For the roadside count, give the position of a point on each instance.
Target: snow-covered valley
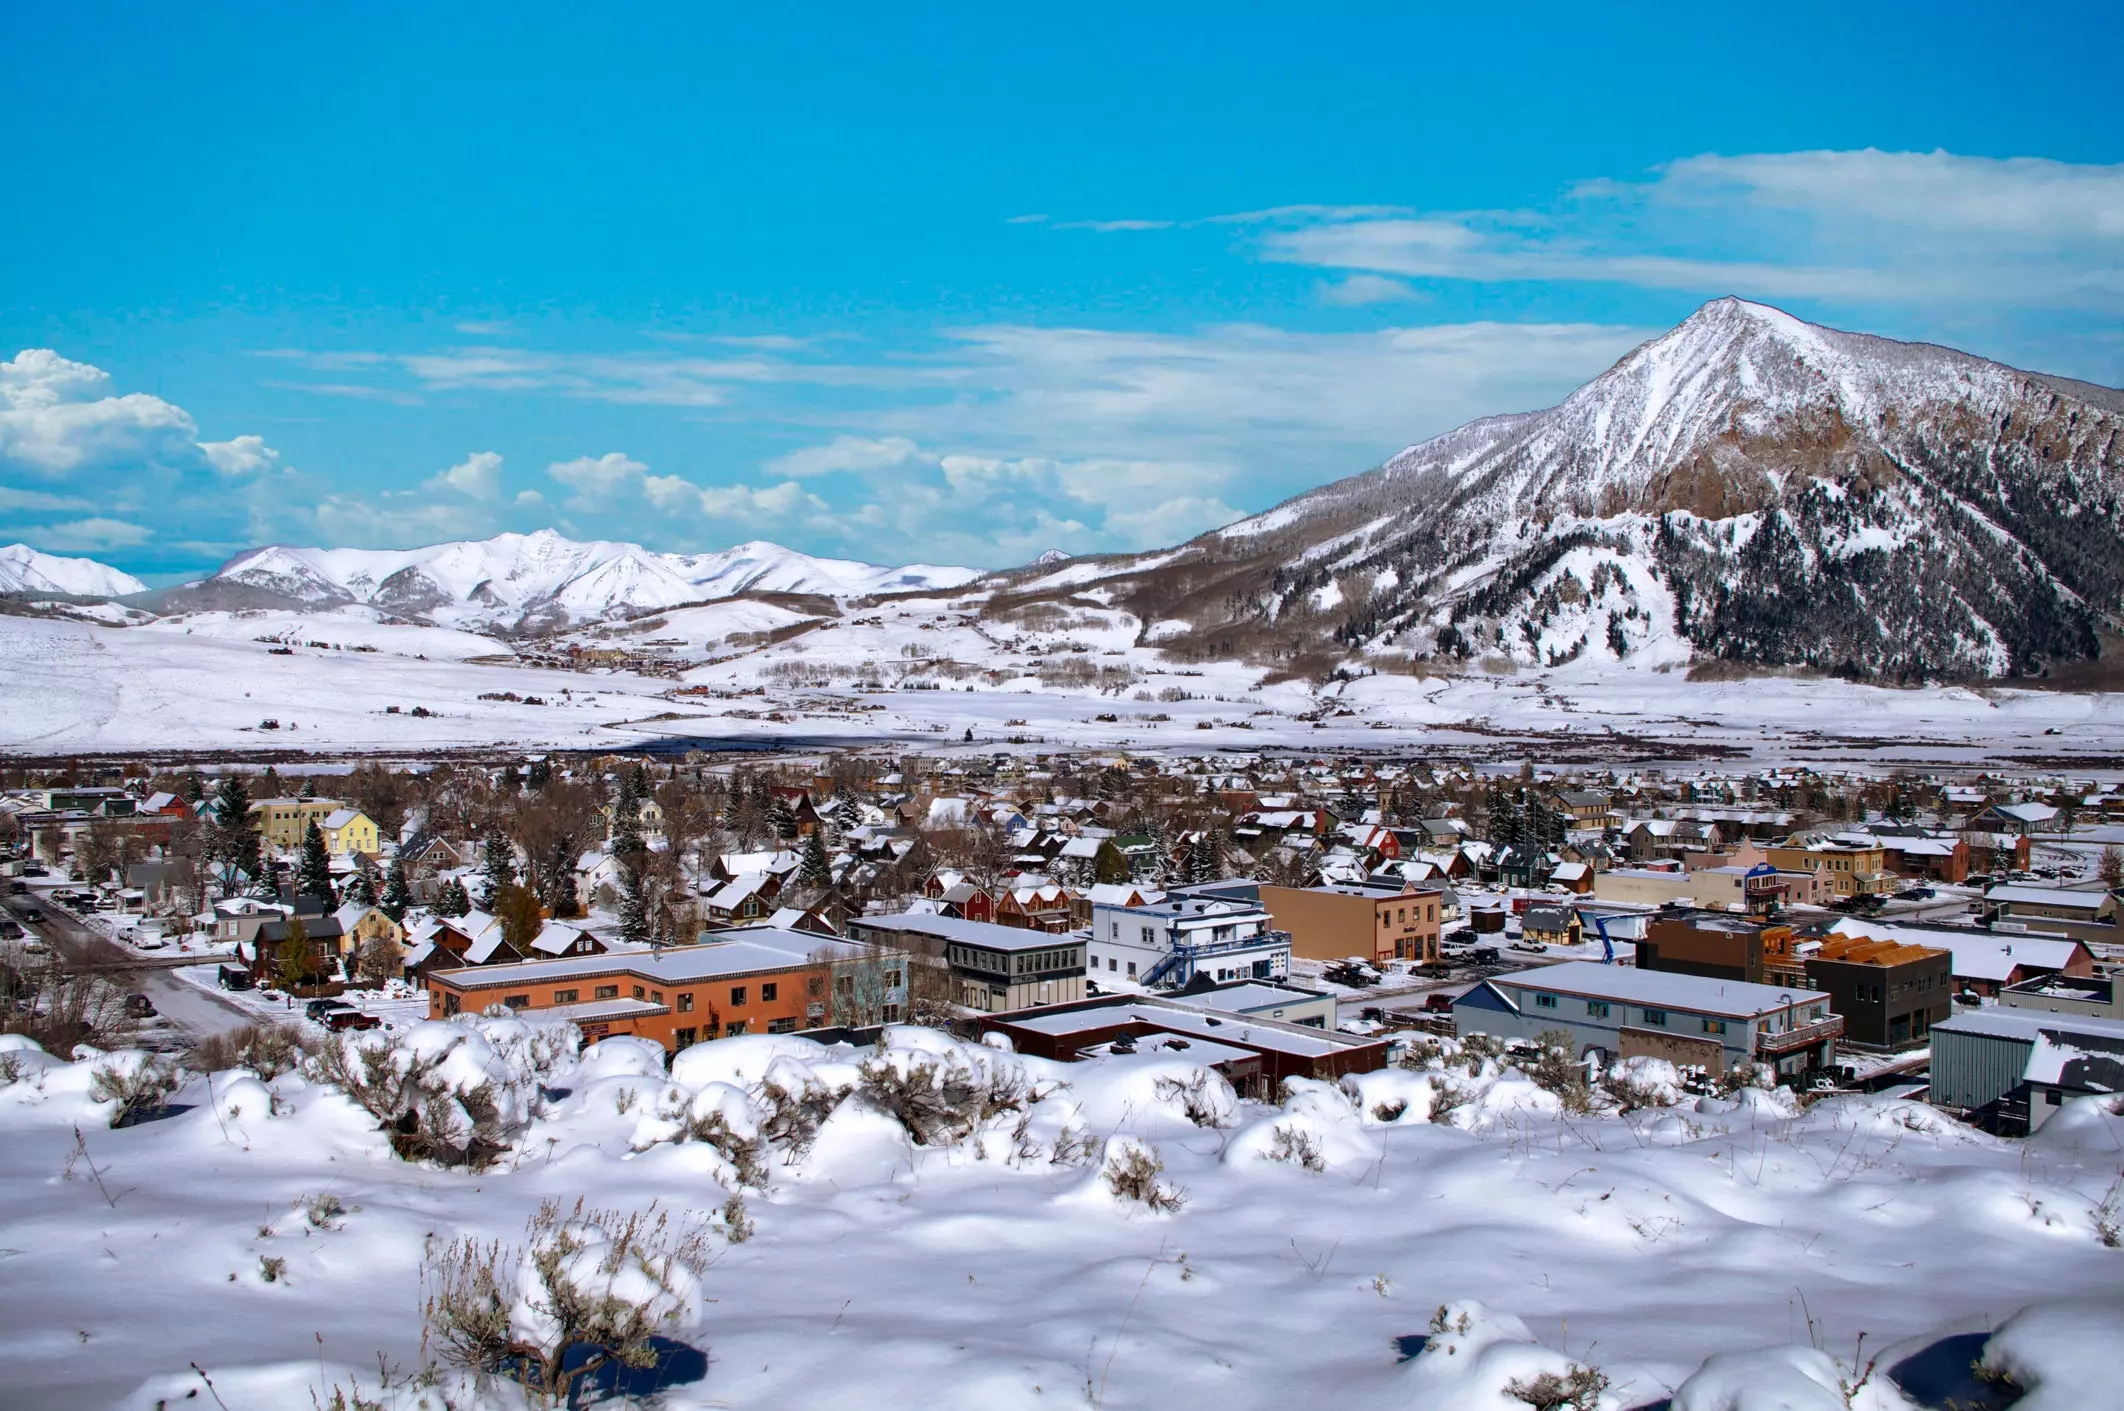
(346, 680)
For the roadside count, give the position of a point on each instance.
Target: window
(1545, 1001)
(638, 992)
(565, 996)
(1656, 1017)
(1112, 963)
(737, 994)
(769, 991)
(788, 1026)
(815, 987)
(685, 1038)
(450, 1003)
(656, 996)
(733, 1028)
(1132, 970)
(1113, 930)
(1714, 1026)
(685, 1002)
(1596, 1009)
(517, 1001)
(605, 992)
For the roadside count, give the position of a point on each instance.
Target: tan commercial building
(1332, 923)
(1853, 869)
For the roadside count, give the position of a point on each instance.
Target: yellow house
(348, 830)
(282, 822)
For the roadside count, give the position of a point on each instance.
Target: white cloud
(38, 500)
(845, 453)
(601, 476)
(94, 533)
(1171, 522)
(1362, 289)
(51, 421)
(1109, 227)
(1857, 226)
(786, 503)
(477, 475)
(244, 455)
(529, 499)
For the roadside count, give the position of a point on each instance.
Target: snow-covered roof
(1661, 989)
(2046, 896)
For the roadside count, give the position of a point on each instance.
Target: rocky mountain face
(536, 580)
(1747, 487)
(26, 570)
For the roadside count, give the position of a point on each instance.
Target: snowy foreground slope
(1726, 1253)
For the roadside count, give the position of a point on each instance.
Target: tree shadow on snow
(676, 1365)
(1940, 1375)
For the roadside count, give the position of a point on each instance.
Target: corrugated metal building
(1981, 1062)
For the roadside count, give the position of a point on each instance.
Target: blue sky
(951, 284)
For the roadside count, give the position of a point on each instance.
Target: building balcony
(1804, 1036)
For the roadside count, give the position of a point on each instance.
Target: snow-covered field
(210, 680)
(997, 1267)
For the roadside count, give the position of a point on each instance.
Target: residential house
(1551, 926)
(1040, 908)
(1625, 1012)
(1186, 932)
(348, 831)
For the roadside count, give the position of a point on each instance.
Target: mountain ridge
(27, 570)
(1746, 487)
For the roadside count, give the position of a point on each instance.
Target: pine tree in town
(634, 900)
(498, 867)
(451, 900)
(194, 790)
(235, 834)
(362, 889)
(817, 868)
(313, 875)
(308, 789)
(397, 897)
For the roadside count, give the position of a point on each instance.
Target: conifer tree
(397, 897)
(498, 863)
(314, 874)
(817, 867)
(362, 890)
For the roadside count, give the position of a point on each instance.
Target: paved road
(192, 1012)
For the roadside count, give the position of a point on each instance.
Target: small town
(1386, 706)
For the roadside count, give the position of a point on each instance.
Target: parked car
(318, 1008)
(1486, 955)
(10, 931)
(340, 1021)
(33, 913)
(1437, 1002)
(139, 1007)
(18, 888)
(1356, 976)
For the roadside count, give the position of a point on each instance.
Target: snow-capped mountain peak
(27, 570)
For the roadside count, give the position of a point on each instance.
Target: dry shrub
(941, 1103)
(266, 1049)
(1554, 1070)
(1193, 1095)
(1135, 1176)
(591, 1288)
(139, 1088)
(1578, 1389)
(793, 1117)
(1298, 1148)
(747, 1155)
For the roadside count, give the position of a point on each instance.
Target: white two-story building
(1164, 944)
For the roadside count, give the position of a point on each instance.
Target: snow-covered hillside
(1413, 1239)
(539, 578)
(26, 570)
